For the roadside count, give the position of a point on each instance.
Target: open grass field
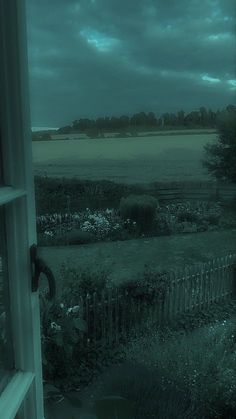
(127, 160)
(126, 259)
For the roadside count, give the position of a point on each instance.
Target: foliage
(70, 363)
(201, 118)
(149, 287)
(83, 227)
(201, 363)
(77, 283)
(62, 195)
(140, 209)
(188, 217)
(220, 158)
(61, 330)
(92, 226)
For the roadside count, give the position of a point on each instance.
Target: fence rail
(99, 196)
(115, 315)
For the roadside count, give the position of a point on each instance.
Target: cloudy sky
(90, 58)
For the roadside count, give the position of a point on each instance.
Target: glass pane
(122, 110)
(6, 346)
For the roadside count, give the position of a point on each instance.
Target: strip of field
(126, 259)
(129, 160)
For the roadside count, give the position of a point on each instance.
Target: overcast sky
(92, 58)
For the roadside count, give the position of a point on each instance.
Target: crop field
(126, 160)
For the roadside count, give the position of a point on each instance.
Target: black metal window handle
(38, 266)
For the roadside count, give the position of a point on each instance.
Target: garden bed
(138, 216)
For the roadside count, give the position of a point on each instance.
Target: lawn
(125, 259)
(128, 160)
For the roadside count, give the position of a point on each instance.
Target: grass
(128, 160)
(125, 259)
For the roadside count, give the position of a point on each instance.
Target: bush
(60, 195)
(150, 287)
(61, 331)
(220, 156)
(140, 209)
(77, 282)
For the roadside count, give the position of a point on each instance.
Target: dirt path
(125, 259)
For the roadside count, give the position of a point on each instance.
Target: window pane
(122, 109)
(6, 347)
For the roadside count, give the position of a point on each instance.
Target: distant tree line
(201, 118)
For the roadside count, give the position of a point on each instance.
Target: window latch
(38, 266)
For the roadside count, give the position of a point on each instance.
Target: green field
(127, 160)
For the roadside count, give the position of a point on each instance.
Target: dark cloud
(102, 57)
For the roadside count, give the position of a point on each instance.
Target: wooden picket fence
(114, 315)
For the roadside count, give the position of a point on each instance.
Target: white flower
(75, 309)
(48, 233)
(108, 211)
(55, 326)
(69, 311)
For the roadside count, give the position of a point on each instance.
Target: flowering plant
(102, 223)
(62, 328)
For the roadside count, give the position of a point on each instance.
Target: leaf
(80, 324)
(69, 350)
(58, 339)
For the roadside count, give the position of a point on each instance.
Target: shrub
(140, 209)
(76, 282)
(188, 216)
(61, 330)
(220, 157)
(149, 287)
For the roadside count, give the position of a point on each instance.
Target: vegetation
(172, 373)
(201, 118)
(70, 195)
(221, 157)
(88, 226)
(141, 209)
(192, 373)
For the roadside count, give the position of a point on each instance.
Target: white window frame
(25, 389)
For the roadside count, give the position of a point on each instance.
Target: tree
(220, 158)
(65, 130)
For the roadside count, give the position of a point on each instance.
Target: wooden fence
(99, 196)
(192, 191)
(166, 192)
(116, 315)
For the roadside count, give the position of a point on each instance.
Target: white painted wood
(7, 194)
(16, 390)
(18, 199)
